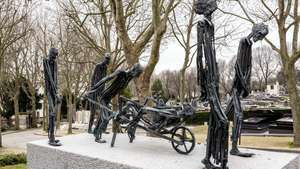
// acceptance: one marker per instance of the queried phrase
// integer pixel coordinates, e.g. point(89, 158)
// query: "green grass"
point(291, 144)
point(19, 166)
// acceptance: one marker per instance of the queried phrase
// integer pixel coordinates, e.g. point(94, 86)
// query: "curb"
point(272, 149)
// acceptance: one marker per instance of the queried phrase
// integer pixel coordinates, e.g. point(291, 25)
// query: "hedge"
point(12, 159)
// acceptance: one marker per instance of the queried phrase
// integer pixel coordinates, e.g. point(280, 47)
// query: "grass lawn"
point(252, 141)
point(19, 166)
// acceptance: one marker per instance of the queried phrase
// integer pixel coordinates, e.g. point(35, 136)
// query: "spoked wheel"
point(185, 140)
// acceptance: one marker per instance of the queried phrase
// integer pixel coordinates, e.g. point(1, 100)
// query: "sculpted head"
point(136, 70)
point(53, 52)
point(205, 7)
point(107, 58)
point(259, 31)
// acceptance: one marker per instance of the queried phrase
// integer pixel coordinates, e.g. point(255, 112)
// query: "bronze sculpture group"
point(131, 114)
point(208, 78)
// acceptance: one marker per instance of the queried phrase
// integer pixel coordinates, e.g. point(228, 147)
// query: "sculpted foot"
point(100, 141)
point(208, 164)
point(55, 143)
point(236, 152)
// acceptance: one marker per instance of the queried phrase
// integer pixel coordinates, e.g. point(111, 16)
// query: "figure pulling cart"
point(133, 115)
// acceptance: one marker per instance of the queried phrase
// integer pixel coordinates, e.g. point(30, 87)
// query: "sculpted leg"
point(92, 117)
point(102, 123)
point(237, 125)
point(51, 127)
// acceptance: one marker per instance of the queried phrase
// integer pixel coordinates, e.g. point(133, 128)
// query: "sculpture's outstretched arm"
point(102, 81)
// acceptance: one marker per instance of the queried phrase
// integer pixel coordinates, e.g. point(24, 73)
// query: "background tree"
point(182, 31)
point(75, 71)
point(265, 65)
point(150, 31)
point(157, 90)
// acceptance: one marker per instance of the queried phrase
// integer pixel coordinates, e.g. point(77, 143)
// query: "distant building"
point(275, 89)
point(82, 117)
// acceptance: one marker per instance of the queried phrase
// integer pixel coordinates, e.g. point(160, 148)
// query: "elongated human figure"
point(208, 78)
point(114, 84)
point(100, 72)
point(50, 75)
point(241, 83)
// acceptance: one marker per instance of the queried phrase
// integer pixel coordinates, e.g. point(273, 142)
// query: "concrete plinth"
point(81, 152)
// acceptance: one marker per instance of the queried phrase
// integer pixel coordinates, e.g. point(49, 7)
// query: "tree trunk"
point(182, 85)
point(58, 117)
point(70, 113)
point(182, 75)
point(1, 73)
point(116, 128)
point(45, 113)
point(0, 130)
point(34, 118)
point(294, 101)
point(33, 105)
point(17, 113)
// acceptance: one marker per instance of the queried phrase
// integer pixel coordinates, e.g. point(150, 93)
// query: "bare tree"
point(171, 83)
point(94, 23)
point(265, 65)
point(285, 16)
point(11, 16)
point(192, 87)
point(183, 34)
point(75, 71)
point(153, 30)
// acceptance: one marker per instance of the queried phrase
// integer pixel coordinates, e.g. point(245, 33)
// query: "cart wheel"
point(186, 139)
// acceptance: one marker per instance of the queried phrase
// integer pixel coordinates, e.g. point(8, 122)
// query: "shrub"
point(11, 159)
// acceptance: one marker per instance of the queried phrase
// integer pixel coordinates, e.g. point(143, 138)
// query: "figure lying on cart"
point(169, 125)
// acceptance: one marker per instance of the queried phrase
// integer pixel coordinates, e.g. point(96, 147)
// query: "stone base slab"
point(81, 152)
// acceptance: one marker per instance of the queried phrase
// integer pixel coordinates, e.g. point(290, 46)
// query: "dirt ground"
point(261, 142)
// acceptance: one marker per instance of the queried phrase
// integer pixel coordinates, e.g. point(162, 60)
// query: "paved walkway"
point(18, 140)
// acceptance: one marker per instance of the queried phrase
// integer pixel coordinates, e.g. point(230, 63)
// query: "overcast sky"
point(172, 54)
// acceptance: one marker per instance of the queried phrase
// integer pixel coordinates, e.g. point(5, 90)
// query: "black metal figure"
point(50, 75)
point(114, 84)
point(208, 78)
point(100, 72)
point(241, 84)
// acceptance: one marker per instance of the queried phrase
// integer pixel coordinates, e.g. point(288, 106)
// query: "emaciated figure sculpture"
point(208, 78)
point(100, 72)
point(114, 84)
point(50, 75)
point(241, 83)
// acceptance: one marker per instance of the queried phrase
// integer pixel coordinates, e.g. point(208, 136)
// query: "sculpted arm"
point(102, 81)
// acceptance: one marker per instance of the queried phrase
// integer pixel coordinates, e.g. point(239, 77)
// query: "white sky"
point(172, 55)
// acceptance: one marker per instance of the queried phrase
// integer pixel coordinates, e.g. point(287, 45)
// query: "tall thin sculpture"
point(100, 72)
point(50, 75)
point(241, 83)
point(114, 84)
point(208, 78)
